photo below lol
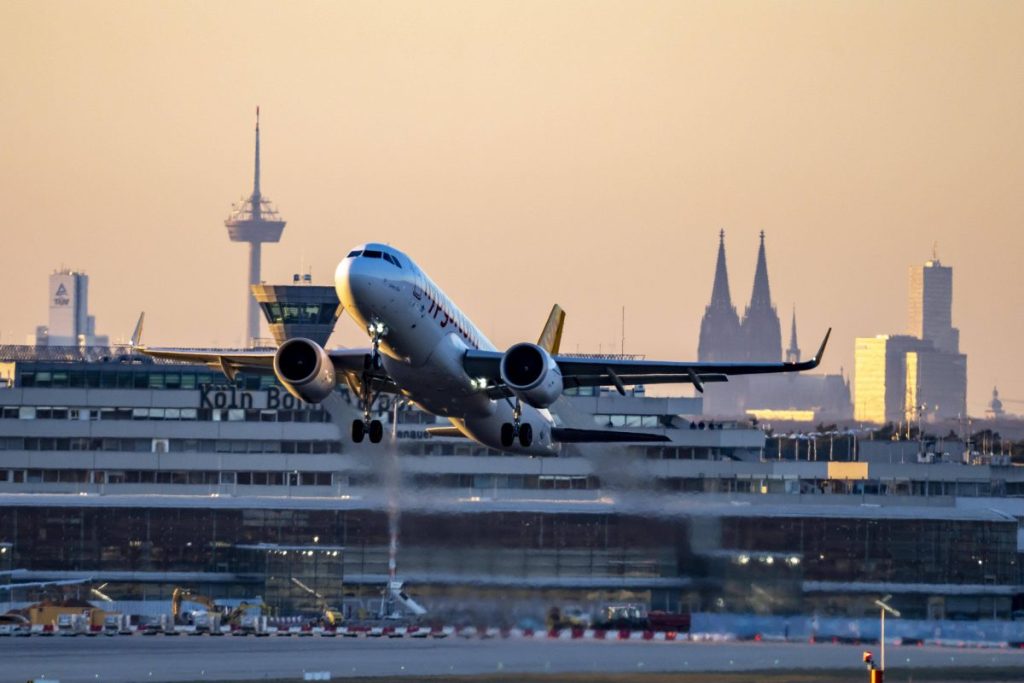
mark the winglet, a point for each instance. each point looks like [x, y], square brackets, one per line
[551, 338]
[136, 340]
[821, 349]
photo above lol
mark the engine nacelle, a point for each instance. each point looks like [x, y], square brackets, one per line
[531, 372]
[305, 370]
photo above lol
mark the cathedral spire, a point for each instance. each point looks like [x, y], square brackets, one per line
[793, 352]
[720, 326]
[761, 328]
[720, 297]
[762, 294]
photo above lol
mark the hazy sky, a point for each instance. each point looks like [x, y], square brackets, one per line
[525, 153]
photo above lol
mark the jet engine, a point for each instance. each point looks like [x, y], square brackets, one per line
[305, 370]
[531, 372]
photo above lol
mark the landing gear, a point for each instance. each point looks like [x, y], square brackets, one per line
[510, 431]
[372, 428]
[525, 435]
[371, 364]
[376, 431]
[508, 435]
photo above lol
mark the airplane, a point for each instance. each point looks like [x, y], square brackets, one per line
[423, 348]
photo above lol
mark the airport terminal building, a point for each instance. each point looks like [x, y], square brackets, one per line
[149, 475]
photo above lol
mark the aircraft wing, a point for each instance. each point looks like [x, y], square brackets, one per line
[230, 363]
[584, 372]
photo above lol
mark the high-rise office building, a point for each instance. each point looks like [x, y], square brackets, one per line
[69, 323]
[885, 377]
[919, 376]
[931, 306]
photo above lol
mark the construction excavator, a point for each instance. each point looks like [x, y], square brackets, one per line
[329, 617]
[246, 618]
[203, 621]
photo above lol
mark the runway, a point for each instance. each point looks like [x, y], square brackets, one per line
[164, 659]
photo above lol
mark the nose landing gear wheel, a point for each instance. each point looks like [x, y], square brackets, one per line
[358, 431]
[525, 435]
[508, 434]
[376, 431]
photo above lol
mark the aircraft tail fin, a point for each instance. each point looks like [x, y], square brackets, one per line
[136, 339]
[551, 337]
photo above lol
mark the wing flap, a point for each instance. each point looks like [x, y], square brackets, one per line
[569, 435]
[451, 432]
[601, 380]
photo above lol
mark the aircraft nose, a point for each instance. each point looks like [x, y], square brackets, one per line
[353, 280]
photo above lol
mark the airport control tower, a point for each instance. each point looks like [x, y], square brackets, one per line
[254, 220]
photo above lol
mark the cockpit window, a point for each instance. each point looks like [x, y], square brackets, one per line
[370, 253]
[391, 259]
[394, 259]
[355, 253]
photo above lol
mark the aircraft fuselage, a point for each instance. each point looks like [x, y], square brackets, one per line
[423, 346]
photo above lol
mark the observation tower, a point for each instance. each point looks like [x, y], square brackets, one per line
[254, 220]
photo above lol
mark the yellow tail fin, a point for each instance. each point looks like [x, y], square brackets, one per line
[551, 337]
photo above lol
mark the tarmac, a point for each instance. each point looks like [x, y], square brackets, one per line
[175, 659]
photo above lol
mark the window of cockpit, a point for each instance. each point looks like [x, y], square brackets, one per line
[370, 253]
[392, 260]
[355, 253]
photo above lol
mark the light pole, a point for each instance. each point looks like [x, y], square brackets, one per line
[884, 608]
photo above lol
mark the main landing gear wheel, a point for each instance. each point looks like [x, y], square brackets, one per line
[361, 429]
[376, 431]
[510, 431]
[525, 435]
[508, 435]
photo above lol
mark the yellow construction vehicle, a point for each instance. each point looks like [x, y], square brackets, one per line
[207, 622]
[247, 617]
[332, 617]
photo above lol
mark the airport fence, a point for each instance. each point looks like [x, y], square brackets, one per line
[840, 629]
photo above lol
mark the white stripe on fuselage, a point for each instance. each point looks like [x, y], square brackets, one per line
[426, 338]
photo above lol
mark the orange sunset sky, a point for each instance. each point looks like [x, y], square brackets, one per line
[525, 153]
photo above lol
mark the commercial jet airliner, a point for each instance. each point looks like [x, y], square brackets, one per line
[422, 347]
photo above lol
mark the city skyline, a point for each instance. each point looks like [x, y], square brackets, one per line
[574, 139]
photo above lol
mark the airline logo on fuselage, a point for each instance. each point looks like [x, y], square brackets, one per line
[436, 309]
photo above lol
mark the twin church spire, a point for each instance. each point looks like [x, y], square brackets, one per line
[758, 336]
[762, 294]
[720, 297]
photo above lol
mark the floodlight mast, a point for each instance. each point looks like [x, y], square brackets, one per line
[885, 607]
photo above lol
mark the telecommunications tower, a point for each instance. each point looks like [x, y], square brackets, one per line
[254, 220]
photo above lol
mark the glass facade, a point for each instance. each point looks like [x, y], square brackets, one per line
[118, 376]
[697, 563]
